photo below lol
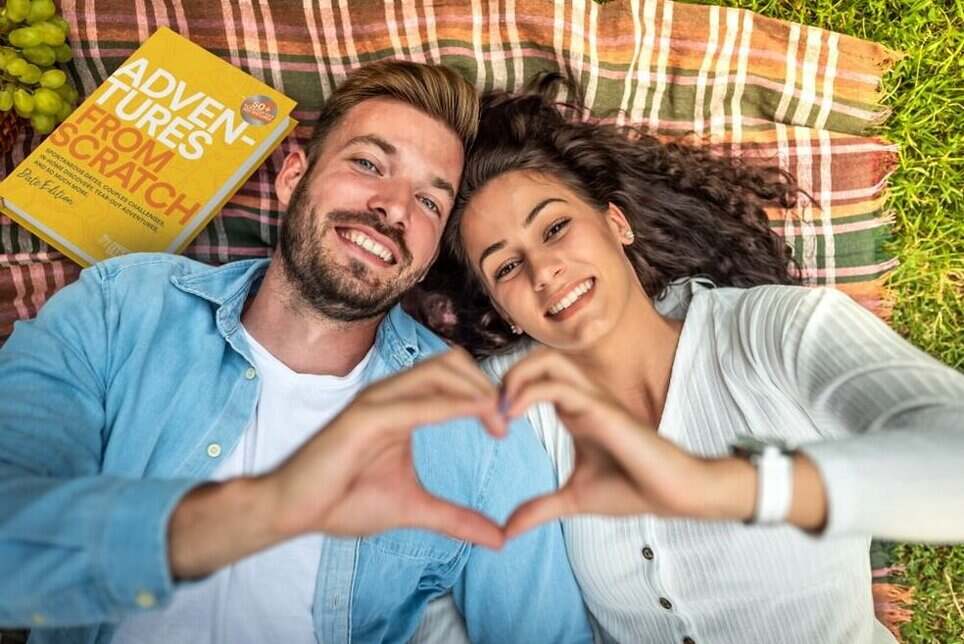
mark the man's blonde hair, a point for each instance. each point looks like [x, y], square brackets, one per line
[438, 91]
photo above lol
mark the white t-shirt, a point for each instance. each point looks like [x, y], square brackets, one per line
[268, 596]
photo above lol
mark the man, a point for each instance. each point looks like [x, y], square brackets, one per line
[162, 476]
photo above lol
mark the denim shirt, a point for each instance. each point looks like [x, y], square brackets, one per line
[124, 393]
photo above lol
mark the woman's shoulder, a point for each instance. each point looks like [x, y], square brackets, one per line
[776, 303]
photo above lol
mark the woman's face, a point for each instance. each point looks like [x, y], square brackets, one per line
[551, 263]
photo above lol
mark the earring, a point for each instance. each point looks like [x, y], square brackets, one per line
[630, 236]
[515, 329]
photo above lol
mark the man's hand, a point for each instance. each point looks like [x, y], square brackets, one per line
[353, 478]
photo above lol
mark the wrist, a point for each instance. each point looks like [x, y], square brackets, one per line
[730, 489]
[217, 524]
[809, 508]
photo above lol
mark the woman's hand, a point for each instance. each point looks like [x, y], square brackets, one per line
[621, 466]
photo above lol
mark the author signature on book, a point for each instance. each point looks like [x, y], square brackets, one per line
[55, 189]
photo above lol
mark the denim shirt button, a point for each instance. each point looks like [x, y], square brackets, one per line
[145, 599]
[214, 450]
[250, 373]
[39, 619]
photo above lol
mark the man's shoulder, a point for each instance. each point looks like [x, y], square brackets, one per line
[161, 263]
[145, 274]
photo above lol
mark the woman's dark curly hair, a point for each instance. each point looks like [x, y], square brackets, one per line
[692, 212]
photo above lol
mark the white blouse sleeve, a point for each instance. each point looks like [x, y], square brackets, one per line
[898, 470]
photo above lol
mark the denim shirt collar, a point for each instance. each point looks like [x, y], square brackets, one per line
[227, 287]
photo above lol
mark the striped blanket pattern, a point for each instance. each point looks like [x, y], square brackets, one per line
[770, 91]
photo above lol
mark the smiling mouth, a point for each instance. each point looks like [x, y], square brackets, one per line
[367, 244]
[574, 295]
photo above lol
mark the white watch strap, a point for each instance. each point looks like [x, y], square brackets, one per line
[774, 487]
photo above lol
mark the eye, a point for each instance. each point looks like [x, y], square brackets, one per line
[366, 165]
[431, 205]
[505, 269]
[555, 229]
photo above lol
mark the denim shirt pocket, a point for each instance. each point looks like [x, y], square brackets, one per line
[397, 574]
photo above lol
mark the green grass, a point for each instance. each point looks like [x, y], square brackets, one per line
[926, 93]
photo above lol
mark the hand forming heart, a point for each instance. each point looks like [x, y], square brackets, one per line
[364, 460]
[621, 466]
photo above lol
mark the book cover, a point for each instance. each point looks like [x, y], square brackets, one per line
[150, 156]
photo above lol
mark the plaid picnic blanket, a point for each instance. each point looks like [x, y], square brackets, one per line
[767, 90]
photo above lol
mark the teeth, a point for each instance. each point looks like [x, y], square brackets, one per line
[364, 241]
[571, 297]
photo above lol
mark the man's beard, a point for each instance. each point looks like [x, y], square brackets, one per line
[339, 292]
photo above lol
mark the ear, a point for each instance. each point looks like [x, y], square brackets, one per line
[619, 225]
[293, 170]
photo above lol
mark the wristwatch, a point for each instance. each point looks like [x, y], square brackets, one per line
[774, 481]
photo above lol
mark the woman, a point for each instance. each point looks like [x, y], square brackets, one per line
[574, 236]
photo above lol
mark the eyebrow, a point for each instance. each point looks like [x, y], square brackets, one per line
[388, 148]
[499, 245]
[373, 139]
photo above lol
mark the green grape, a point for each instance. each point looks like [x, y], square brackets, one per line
[67, 92]
[5, 22]
[46, 101]
[65, 110]
[16, 66]
[50, 33]
[63, 53]
[42, 55]
[52, 78]
[6, 99]
[41, 10]
[31, 76]
[25, 37]
[63, 24]
[6, 55]
[17, 10]
[43, 123]
[23, 101]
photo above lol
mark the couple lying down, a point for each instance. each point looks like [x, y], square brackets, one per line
[228, 454]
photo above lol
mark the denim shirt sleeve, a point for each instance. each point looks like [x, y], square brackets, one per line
[76, 547]
[526, 592]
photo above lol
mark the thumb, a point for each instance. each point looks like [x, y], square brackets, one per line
[540, 510]
[464, 524]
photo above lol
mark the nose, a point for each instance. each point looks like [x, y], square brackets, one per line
[546, 269]
[391, 199]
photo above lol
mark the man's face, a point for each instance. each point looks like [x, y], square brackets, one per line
[364, 224]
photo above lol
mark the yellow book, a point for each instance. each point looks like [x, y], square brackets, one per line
[149, 157]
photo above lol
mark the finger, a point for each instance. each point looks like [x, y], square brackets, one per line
[495, 423]
[538, 511]
[465, 365]
[434, 375]
[457, 522]
[543, 364]
[567, 398]
[405, 416]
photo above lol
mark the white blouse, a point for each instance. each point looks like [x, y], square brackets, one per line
[880, 419]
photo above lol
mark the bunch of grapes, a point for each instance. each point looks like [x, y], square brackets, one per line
[32, 43]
